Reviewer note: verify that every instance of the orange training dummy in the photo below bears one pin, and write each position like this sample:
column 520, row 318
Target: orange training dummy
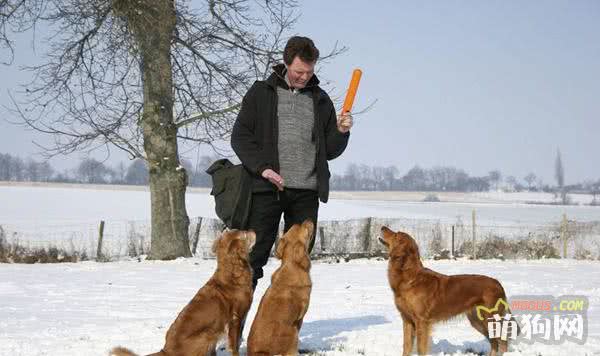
column 352, row 91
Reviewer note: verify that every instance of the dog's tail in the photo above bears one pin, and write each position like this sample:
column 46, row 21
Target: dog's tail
column 121, row 351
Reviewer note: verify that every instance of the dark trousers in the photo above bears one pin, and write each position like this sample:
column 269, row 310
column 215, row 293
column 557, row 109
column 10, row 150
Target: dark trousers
column 296, row 205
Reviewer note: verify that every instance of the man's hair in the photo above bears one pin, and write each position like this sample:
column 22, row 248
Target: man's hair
column 302, row 47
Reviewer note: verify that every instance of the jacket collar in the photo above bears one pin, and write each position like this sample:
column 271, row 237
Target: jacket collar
column 277, row 78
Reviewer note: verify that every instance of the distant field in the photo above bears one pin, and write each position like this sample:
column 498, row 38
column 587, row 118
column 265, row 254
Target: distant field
column 460, row 197
column 64, row 203
column 457, row 197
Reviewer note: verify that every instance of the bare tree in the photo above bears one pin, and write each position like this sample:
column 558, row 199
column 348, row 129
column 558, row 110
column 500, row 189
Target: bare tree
column 530, row 179
column 495, row 177
column 5, row 167
column 513, row 183
column 378, row 177
column 142, row 76
column 415, row 179
column 137, row 173
column 45, row 171
column 390, row 177
column 559, row 174
column 18, row 166
column 365, row 177
column 32, row 170
column 352, row 177
column 93, row 172
column 11, row 168
column 595, row 188
column 120, row 172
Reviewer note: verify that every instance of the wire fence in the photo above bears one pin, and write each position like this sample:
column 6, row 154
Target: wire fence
column 354, row 237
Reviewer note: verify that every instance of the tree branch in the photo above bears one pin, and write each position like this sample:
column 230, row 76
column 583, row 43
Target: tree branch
column 205, row 115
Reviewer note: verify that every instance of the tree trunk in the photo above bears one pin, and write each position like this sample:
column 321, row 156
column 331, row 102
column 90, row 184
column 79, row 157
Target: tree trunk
column 152, row 24
column 169, row 217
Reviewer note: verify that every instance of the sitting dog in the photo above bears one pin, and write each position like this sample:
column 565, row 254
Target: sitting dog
column 425, row 297
column 279, row 317
column 218, row 308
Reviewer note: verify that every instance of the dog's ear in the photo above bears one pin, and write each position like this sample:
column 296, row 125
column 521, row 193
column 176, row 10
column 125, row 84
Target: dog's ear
column 250, row 238
column 280, row 247
column 242, row 243
column 406, row 256
column 310, row 228
column 300, row 255
column 215, row 245
column 400, row 259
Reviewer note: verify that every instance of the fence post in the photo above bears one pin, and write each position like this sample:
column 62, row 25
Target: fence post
column 322, row 238
column 367, row 238
column 452, row 245
column 142, row 248
column 196, row 236
column 474, row 234
column 100, row 238
column 563, row 233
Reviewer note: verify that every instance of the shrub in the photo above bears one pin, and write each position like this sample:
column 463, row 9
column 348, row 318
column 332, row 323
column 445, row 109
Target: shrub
column 432, row 198
column 14, row 252
column 435, row 244
column 497, row 247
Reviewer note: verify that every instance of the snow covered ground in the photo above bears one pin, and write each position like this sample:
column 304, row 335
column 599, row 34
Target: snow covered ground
column 86, row 308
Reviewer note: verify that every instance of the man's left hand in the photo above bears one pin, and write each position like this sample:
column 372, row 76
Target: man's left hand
column 344, row 122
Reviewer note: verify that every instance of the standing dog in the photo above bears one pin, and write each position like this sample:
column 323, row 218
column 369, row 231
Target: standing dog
column 424, row 297
column 218, row 308
column 279, row 317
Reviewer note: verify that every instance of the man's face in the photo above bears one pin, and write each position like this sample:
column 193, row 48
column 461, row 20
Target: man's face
column 300, row 72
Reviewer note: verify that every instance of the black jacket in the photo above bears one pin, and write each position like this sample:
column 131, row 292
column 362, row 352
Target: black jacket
column 255, row 132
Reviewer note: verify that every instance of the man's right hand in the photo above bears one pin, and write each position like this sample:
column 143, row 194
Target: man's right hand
column 273, row 177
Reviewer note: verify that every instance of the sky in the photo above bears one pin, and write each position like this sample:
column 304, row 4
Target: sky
column 479, row 85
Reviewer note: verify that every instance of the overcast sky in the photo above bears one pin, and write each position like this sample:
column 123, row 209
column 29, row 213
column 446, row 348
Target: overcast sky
column 480, row 85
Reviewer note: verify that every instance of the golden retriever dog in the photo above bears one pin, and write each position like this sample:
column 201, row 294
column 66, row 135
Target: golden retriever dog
column 425, row 297
column 218, row 308
column 279, row 317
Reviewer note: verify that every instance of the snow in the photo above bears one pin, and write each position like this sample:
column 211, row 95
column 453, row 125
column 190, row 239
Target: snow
column 59, row 204
column 486, row 213
column 87, row 308
column 536, row 197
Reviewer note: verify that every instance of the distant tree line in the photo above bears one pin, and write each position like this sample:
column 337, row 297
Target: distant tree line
column 92, row 171
column 356, row 177
column 365, row 177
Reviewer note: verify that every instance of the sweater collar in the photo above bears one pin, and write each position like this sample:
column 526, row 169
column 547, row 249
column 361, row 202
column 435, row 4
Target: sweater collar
column 278, row 78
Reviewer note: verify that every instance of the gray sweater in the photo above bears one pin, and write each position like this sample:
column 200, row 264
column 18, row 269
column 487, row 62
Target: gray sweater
column 297, row 150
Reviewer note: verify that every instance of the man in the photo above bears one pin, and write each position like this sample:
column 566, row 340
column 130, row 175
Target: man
column 285, row 133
